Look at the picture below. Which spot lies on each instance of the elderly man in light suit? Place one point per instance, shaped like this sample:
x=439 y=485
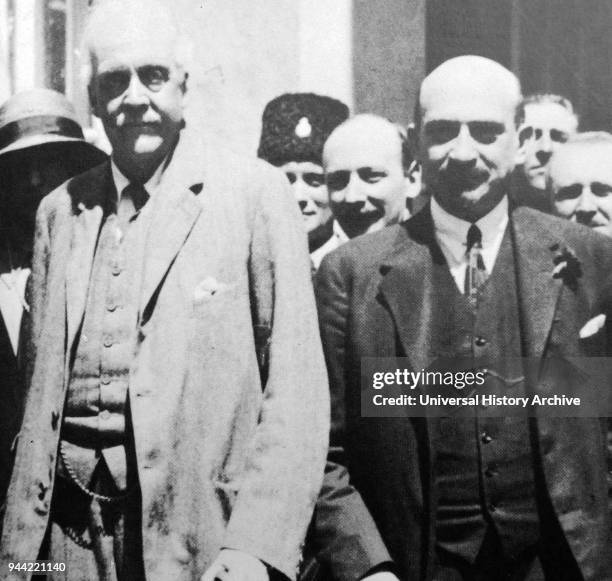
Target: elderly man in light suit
x=177 y=419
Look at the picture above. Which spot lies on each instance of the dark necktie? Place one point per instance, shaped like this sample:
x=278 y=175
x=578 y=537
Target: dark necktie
x=476 y=272
x=137 y=193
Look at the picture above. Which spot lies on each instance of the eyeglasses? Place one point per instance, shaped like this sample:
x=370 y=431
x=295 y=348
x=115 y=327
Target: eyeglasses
x=114 y=83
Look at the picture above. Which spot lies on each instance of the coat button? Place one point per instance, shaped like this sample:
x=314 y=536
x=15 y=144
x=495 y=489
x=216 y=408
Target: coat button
x=108 y=341
x=491 y=471
x=485 y=438
x=104 y=415
x=480 y=341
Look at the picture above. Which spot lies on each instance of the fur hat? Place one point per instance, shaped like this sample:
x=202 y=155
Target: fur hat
x=296 y=125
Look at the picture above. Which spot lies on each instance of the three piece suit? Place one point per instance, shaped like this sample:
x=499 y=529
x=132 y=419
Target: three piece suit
x=226 y=386
x=385 y=497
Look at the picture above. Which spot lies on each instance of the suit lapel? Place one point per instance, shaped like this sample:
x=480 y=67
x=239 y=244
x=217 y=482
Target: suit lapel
x=88 y=208
x=538 y=291
x=173 y=219
x=407 y=289
x=175 y=211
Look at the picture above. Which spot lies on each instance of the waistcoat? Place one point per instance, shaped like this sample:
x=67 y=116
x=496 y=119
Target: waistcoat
x=483 y=467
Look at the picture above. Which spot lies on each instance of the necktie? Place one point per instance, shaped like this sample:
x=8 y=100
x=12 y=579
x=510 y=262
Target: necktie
x=476 y=272
x=137 y=193
x=133 y=198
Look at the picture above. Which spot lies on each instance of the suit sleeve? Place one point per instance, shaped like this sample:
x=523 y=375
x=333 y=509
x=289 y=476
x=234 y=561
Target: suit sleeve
x=285 y=467
x=345 y=532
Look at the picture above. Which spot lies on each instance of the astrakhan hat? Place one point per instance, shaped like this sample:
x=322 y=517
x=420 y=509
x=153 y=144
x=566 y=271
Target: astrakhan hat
x=295 y=127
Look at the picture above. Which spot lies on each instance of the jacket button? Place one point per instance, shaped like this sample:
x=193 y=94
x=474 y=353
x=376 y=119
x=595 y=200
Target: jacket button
x=480 y=341
x=491 y=471
x=486 y=438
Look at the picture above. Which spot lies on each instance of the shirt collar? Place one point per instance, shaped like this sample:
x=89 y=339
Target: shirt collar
x=339 y=233
x=453 y=230
x=121 y=182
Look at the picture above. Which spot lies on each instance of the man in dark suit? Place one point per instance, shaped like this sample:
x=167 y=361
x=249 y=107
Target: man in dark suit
x=521 y=497
x=178 y=414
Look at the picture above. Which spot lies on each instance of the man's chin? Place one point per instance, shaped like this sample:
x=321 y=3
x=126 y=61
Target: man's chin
x=147 y=144
x=537 y=181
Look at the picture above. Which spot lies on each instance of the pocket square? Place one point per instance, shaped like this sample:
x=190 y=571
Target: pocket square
x=207 y=288
x=592 y=326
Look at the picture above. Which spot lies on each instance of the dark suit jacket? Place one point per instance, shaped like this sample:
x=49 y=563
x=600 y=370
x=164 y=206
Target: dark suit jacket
x=375 y=299
x=225 y=458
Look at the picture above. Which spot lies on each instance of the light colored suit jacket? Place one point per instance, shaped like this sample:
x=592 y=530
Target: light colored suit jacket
x=222 y=461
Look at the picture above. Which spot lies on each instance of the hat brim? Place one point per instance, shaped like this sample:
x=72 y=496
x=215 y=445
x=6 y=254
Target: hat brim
x=29 y=144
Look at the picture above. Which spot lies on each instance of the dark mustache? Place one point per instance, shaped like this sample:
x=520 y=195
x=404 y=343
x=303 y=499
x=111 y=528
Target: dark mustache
x=464 y=178
x=354 y=211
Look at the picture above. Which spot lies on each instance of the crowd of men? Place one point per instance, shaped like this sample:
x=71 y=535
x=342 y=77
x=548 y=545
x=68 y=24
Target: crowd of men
x=183 y=330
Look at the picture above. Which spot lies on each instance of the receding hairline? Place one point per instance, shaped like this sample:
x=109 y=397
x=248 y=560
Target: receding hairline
x=585 y=140
x=366 y=121
x=110 y=18
x=471 y=67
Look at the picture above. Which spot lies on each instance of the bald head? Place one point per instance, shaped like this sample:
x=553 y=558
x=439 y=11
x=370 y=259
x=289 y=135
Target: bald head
x=470 y=78
x=362 y=129
x=365 y=176
x=467 y=140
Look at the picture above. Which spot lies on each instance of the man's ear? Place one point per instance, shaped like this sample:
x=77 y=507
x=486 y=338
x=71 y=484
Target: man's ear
x=184 y=82
x=521 y=153
x=413 y=140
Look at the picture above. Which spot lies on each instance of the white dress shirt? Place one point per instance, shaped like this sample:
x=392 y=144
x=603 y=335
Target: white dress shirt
x=451 y=235
x=337 y=238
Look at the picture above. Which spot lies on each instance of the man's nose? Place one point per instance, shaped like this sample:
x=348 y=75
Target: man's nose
x=354 y=194
x=544 y=143
x=299 y=191
x=463 y=148
x=587 y=205
x=136 y=93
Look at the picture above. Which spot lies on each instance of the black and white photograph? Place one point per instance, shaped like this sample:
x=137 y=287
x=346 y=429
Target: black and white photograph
x=306 y=290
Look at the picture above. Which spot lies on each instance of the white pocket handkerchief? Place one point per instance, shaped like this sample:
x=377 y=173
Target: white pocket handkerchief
x=592 y=326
